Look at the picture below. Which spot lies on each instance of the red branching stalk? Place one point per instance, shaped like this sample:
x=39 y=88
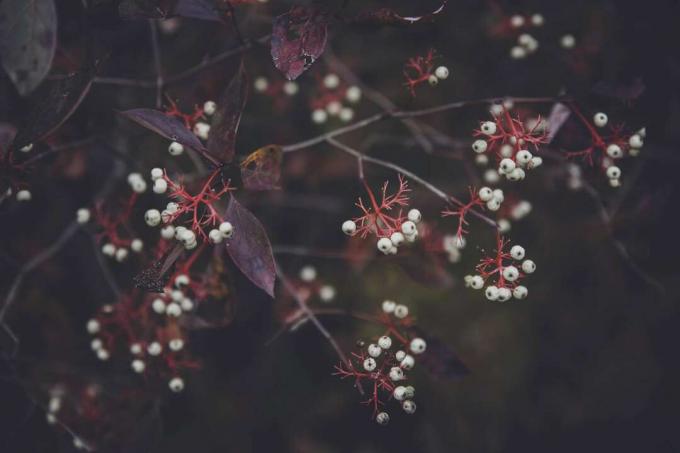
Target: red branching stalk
x=199 y=209
x=376 y=218
x=112 y=225
x=492 y=266
x=418 y=70
x=597 y=150
x=189 y=120
x=462 y=211
x=512 y=131
x=379 y=378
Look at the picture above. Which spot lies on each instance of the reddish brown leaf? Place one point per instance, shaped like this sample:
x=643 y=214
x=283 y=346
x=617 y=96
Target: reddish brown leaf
x=261 y=170
x=298 y=39
x=249 y=248
x=222 y=138
x=165 y=126
x=387 y=16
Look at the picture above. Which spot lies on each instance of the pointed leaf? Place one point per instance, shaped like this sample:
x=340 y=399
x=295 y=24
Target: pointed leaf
x=261 y=170
x=249 y=248
x=222 y=138
x=28 y=38
x=558 y=116
x=165 y=126
x=298 y=39
x=53 y=104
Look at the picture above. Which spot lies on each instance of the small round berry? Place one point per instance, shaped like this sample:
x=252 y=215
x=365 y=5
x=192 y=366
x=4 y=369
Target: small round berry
x=374 y=350
x=518 y=52
x=187 y=237
x=154 y=348
x=176 y=344
x=138 y=366
x=528 y=266
x=349 y=227
x=187 y=304
x=442 y=72
x=384 y=245
x=385 y=342
x=410 y=392
x=516 y=21
x=397 y=238
x=152 y=217
x=174 y=310
x=319 y=116
x=202 y=130
x=615 y=182
x=504 y=294
x=160 y=186
x=491 y=176
x=353 y=94
x=82 y=215
x=291 y=88
x=138 y=185
x=498 y=195
x=399 y=393
x=520 y=292
x=407 y=362
x=517 y=174
x=418 y=346
x=226 y=229
x=331 y=81
x=504 y=225
x=182 y=280
x=383 y=418
x=346 y=114
x=476 y=282
x=399 y=355
x=600 y=119
x=308 y=274
x=523 y=156
x=369 y=364
x=493 y=204
x=260 y=84
x=326 y=293
x=396 y=374
x=93 y=326
x=409 y=228
x=510 y=273
x=432 y=80
x=209 y=108
x=567 y=41
x=506 y=150
x=168 y=232
x=488 y=128
x=613 y=172
x=137 y=245
x=491 y=292
x=176 y=384
x=642 y=132
x=215 y=237
x=479 y=146
x=109 y=249
x=506 y=166
x=388 y=306
x=401 y=311
x=614 y=151
x=534 y=163
x=517 y=252
x=635 y=141
x=409 y=406
x=172 y=207
x=175 y=149
x=27 y=148
x=96 y=344
x=158 y=305
x=135 y=349
x=537 y=20
x=485 y=194
x=103 y=355
x=333 y=108
x=121 y=254
x=54 y=404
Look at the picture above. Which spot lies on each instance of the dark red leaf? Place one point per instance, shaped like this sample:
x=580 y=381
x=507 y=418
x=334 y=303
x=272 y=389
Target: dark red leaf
x=52 y=105
x=298 y=39
x=165 y=126
x=558 y=116
x=387 y=16
x=621 y=91
x=28 y=38
x=261 y=170
x=222 y=138
x=198 y=9
x=144 y=9
x=249 y=248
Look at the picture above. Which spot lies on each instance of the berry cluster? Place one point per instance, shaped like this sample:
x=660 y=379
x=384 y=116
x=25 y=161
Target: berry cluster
x=418 y=70
x=505 y=274
x=491 y=198
x=384 y=366
x=331 y=93
x=392 y=230
x=509 y=139
x=526 y=43
x=196 y=122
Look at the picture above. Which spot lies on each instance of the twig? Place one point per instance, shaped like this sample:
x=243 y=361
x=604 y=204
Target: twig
x=157 y=63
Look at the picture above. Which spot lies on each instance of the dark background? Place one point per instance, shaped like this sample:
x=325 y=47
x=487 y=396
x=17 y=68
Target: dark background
x=587 y=363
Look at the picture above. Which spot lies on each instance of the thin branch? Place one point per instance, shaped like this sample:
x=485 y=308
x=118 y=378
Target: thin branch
x=157 y=63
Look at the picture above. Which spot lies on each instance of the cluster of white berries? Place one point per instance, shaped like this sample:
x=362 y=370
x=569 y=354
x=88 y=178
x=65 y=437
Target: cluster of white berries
x=136 y=182
x=154 y=349
x=517 y=212
x=54 y=405
x=174 y=302
x=389 y=245
x=615 y=151
x=308 y=274
x=440 y=73
x=121 y=254
x=513 y=165
x=335 y=107
x=452 y=245
x=261 y=84
x=201 y=128
x=492 y=197
x=526 y=43
x=507 y=276
x=93 y=328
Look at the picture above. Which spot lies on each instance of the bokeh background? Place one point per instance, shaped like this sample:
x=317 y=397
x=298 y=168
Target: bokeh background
x=588 y=362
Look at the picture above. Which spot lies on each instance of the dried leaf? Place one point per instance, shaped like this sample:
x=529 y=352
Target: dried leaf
x=387 y=16
x=261 y=170
x=52 y=105
x=222 y=138
x=249 y=248
x=298 y=39
x=559 y=114
x=28 y=39
x=165 y=126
